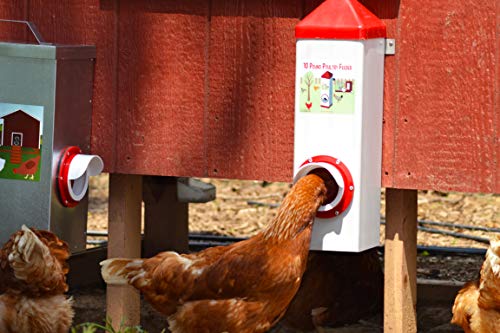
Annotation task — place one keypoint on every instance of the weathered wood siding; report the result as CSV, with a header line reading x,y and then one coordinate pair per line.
x,y
206,87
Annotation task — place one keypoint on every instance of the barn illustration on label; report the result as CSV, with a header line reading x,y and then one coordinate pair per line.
x,y
21,128
321,91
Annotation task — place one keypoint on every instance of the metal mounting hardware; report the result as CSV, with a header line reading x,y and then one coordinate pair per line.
x,y
32,28
194,190
390,46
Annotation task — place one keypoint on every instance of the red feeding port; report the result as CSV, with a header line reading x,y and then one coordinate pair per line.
x,y
340,19
338,179
62,180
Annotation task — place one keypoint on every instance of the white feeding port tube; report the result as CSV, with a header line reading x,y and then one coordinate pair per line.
x,y
75,168
80,169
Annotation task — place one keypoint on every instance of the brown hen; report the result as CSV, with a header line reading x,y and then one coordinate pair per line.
x,y
241,288
33,272
477,305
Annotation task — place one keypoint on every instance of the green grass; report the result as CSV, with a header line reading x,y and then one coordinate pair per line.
x,y
106,328
8,171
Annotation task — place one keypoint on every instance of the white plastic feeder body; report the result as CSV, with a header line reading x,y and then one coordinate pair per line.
x,y
347,127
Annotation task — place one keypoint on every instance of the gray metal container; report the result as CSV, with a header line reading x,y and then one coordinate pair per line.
x,y
53,84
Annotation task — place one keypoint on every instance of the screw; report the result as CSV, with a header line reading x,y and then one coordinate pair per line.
x,y
337,161
351,187
310,160
336,212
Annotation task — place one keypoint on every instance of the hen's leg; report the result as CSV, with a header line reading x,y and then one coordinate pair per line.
x,y
318,315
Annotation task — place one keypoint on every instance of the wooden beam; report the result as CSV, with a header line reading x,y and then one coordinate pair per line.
x,y
400,290
125,199
166,219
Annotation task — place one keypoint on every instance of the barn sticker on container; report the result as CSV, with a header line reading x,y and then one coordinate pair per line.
x,y
21,129
326,88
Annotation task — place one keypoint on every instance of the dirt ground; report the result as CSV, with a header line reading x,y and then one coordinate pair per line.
x,y
242,208
90,307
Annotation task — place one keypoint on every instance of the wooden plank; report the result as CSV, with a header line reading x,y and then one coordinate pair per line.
x,y
13,10
400,287
165,218
497,102
124,240
181,113
84,272
105,112
252,73
310,5
388,11
88,22
437,291
162,87
445,131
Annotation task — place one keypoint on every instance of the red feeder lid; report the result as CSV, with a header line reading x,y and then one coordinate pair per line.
x,y
340,19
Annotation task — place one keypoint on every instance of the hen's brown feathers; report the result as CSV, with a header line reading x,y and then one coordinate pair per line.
x,y
477,305
240,311
33,272
34,262
23,314
489,295
221,288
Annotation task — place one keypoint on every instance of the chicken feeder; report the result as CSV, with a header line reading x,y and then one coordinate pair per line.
x,y
338,119
45,120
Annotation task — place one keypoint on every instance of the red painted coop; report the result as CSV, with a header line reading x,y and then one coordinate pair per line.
x,y
206,89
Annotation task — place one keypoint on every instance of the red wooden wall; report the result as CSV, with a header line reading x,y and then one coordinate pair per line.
x,y
206,87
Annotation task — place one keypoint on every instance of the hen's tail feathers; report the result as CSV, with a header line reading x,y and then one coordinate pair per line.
x,y
32,262
465,305
121,271
489,287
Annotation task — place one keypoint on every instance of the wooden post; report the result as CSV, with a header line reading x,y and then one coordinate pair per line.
x,y
125,198
400,290
166,219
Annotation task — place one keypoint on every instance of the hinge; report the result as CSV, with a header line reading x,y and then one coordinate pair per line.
x,y
390,46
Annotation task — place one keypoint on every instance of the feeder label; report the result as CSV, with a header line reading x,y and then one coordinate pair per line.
x,y
21,129
326,88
